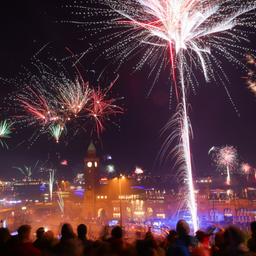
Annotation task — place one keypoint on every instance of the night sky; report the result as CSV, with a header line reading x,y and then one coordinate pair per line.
x,y
28,25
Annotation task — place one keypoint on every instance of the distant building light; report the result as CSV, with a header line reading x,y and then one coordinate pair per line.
x,y
161,215
64,162
104,181
89,164
138,170
139,213
110,168
14,202
109,157
102,197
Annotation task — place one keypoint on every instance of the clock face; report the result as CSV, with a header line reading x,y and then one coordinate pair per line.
x,y
89,164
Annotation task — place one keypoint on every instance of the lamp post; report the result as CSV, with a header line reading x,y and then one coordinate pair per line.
x,y
120,178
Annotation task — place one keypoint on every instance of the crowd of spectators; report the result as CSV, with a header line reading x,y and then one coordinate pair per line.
x,y
213,242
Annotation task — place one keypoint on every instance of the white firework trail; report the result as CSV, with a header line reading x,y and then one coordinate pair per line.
x,y
184,34
60,202
51,182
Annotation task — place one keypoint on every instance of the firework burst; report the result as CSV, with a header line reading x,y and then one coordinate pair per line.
x,y
182,34
102,107
251,76
246,170
36,107
74,97
52,101
27,171
194,33
5,131
56,131
226,157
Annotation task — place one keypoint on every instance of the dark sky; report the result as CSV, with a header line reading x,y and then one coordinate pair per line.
x,y
27,25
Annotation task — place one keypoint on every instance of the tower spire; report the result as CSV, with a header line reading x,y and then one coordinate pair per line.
x,y
91,151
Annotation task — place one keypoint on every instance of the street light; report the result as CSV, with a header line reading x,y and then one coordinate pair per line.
x,y
120,178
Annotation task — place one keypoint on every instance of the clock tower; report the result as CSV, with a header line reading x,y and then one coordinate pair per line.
x,y
91,175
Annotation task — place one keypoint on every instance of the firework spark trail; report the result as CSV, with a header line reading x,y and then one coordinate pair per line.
x,y
185,136
101,108
51,182
37,104
61,202
197,33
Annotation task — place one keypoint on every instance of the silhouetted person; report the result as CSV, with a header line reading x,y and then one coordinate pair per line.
x,y
82,232
67,232
82,235
117,245
171,237
38,243
24,245
66,241
150,246
48,243
234,242
183,241
170,240
252,241
219,243
4,238
203,247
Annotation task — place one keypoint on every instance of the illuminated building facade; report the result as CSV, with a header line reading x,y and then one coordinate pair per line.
x,y
118,198
127,199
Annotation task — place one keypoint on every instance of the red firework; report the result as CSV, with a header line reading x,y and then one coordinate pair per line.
x,y
102,107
